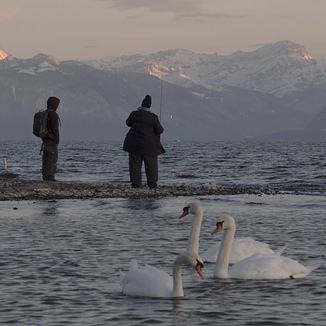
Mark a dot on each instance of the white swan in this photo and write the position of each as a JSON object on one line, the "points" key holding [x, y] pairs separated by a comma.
{"points": [[197, 211], [241, 248], [257, 266], [148, 281]]}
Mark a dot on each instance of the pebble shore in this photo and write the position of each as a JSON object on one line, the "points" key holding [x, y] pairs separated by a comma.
{"points": [[14, 189]]}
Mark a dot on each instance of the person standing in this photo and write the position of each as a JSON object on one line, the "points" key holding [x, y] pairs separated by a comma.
{"points": [[143, 144], [50, 142]]}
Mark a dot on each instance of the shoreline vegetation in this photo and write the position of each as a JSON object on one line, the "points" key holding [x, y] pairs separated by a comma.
{"points": [[17, 189]]}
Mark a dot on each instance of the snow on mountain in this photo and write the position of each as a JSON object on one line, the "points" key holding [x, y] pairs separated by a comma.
{"points": [[278, 69], [5, 55], [38, 64], [273, 89]]}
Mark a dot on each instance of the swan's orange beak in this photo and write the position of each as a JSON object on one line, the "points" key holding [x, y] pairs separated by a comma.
{"points": [[185, 212], [218, 228], [198, 268]]}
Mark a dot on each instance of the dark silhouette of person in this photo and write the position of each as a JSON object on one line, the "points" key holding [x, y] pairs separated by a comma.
{"points": [[50, 143], [143, 144]]}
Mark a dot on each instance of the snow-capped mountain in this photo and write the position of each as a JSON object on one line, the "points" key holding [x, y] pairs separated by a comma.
{"points": [[280, 69], [4, 55], [271, 90]]}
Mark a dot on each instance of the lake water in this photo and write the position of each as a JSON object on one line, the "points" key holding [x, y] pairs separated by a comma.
{"points": [[60, 259]]}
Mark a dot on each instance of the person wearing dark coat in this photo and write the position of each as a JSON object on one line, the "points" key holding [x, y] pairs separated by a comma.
{"points": [[50, 143], [143, 144]]}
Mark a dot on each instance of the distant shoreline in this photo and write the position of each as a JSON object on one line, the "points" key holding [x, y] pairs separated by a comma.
{"points": [[17, 189]]}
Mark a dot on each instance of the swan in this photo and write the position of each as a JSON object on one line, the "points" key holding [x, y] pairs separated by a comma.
{"points": [[241, 248], [197, 211], [257, 266], [148, 281]]}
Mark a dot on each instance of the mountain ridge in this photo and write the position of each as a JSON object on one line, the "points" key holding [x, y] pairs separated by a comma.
{"points": [[186, 68], [244, 95]]}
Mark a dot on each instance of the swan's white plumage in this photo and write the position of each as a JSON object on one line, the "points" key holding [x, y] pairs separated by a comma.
{"points": [[241, 249], [261, 266], [257, 266], [146, 281], [149, 281]]}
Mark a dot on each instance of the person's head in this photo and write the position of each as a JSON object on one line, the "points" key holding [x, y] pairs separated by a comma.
{"points": [[53, 103], [147, 102]]}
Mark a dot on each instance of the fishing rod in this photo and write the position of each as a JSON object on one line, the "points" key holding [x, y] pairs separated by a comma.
{"points": [[161, 97]]}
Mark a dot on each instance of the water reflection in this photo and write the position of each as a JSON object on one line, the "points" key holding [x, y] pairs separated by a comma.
{"points": [[68, 253], [50, 208], [142, 204], [177, 304], [50, 211]]}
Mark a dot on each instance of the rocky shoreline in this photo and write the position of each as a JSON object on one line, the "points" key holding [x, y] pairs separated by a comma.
{"points": [[15, 189]]}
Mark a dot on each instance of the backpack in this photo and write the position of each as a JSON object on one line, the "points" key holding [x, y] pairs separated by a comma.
{"points": [[40, 124]]}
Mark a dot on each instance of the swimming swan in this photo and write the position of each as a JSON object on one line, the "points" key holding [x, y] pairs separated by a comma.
{"points": [[197, 211], [148, 281], [257, 266], [241, 248]]}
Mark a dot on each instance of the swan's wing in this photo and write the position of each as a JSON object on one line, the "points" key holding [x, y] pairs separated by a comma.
{"points": [[164, 277], [122, 275], [147, 281], [280, 251], [245, 247], [261, 266], [133, 263], [210, 255], [241, 249]]}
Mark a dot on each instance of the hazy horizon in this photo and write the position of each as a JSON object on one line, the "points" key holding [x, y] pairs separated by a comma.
{"points": [[93, 29]]}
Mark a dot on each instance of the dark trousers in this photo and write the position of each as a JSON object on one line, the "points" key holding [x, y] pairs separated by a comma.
{"points": [[151, 169], [49, 160]]}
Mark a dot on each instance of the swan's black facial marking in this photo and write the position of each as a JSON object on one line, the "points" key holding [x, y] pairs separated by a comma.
{"points": [[200, 264], [185, 211]]}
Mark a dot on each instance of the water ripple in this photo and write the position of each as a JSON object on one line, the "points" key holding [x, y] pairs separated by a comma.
{"points": [[60, 260]]}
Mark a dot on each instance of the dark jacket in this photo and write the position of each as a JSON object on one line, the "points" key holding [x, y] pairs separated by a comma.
{"points": [[53, 120], [143, 137]]}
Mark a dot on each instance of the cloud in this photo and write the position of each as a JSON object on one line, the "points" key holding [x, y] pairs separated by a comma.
{"points": [[181, 8], [208, 15], [7, 13], [168, 6]]}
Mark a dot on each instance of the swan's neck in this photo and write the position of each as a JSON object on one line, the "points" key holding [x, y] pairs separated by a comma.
{"points": [[223, 258], [177, 282], [193, 243]]}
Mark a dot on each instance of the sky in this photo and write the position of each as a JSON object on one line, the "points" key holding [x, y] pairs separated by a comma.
{"points": [[94, 29]]}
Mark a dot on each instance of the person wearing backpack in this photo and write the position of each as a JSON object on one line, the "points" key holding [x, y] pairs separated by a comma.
{"points": [[51, 141]]}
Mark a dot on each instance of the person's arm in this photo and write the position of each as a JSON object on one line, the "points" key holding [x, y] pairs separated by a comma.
{"points": [[158, 129], [54, 123], [129, 120]]}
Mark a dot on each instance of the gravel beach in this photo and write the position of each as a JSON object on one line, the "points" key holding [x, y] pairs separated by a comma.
{"points": [[16, 189]]}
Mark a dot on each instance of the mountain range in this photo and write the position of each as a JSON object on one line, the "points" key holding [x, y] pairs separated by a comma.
{"points": [[277, 92]]}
